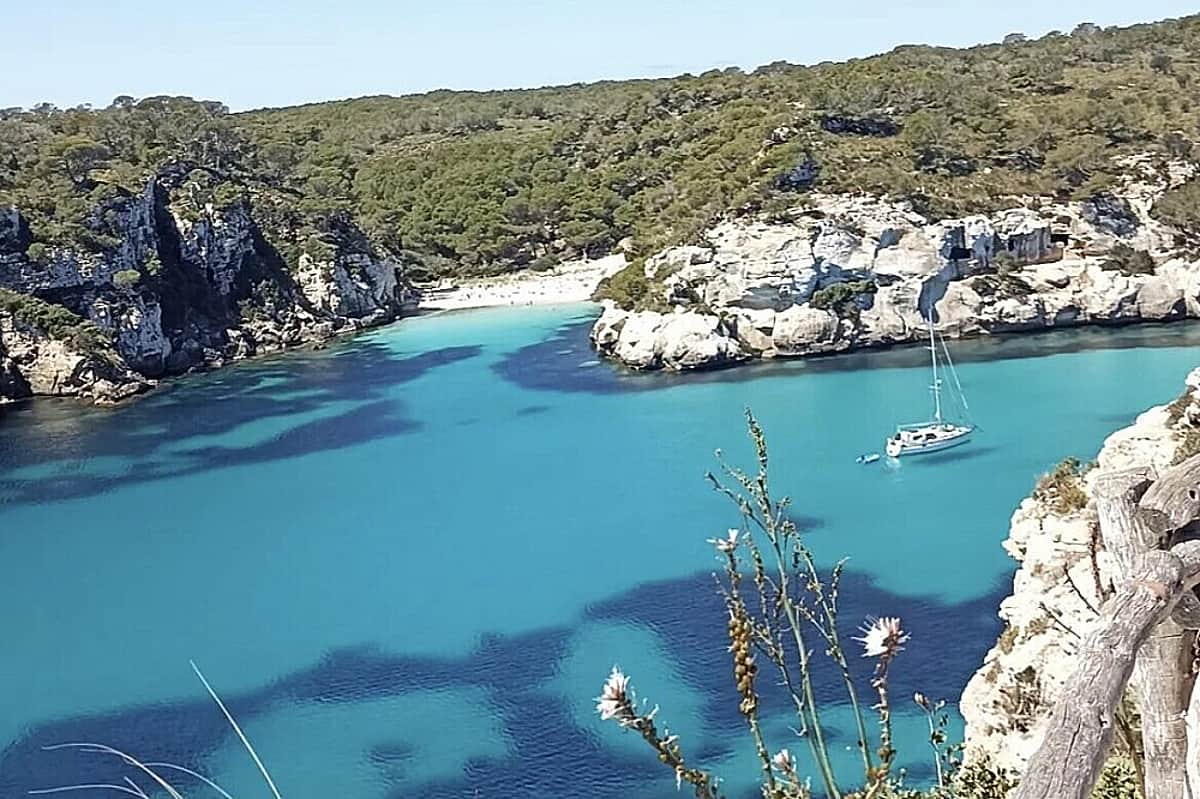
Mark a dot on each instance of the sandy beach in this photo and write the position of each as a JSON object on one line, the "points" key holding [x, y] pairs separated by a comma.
{"points": [[573, 281]]}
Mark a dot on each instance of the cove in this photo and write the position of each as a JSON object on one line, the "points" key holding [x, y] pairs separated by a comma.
{"points": [[408, 561]]}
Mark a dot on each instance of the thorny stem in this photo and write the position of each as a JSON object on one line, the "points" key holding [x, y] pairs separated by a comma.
{"points": [[767, 520], [886, 752], [810, 700], [829, 631], [839, 657], [1086, 602], [796, 594], [670, 753], [933, 740]]}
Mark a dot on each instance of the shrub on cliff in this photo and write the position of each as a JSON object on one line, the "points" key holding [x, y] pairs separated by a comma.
{"points": [[57, 322], [631, 289], [1062, 489], [38, 253], [842, 298], [127, 278], [1180, 207], [1128, 261]]}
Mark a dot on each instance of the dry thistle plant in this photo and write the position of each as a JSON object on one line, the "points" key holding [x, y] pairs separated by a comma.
{"points": [[781, 607], [152, 773]]}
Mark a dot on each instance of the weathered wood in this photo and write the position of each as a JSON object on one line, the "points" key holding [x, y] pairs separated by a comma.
{"points": [[1192, 723], [1187, 612], [1160, 676], [1122, 527], [1080, 729], [1190, 551], [1173, 501]]}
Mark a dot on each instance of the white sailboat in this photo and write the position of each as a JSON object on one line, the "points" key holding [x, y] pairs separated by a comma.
{"points": [[938, 433]]}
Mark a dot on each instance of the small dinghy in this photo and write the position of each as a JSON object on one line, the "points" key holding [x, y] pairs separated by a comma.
{"points": [[869, 458]]}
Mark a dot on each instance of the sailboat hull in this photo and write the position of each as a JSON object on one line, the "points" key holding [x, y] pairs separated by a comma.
{"points": [[922, 439], [937, 434]]}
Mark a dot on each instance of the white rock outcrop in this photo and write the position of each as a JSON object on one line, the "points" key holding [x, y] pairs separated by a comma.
{"points": [[1020, 269], [679, 341]]}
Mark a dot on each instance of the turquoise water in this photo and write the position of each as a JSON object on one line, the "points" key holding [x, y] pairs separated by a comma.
{"points": [[409, 561]]}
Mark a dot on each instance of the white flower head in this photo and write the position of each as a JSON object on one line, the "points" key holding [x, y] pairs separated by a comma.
{"points": [[882, 637], [727, 544], [616, 700], [784, 761]]}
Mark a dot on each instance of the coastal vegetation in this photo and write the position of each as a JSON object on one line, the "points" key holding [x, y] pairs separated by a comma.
{"points": [[1062, 488], [842, 298], [58, 322], [487, 182], [1128, 261]]}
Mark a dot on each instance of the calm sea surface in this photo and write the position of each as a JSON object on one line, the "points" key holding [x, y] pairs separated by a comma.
{"points": [[408, 561]]}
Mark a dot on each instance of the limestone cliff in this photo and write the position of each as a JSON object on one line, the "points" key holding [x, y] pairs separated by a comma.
{"points": [[850, 272], [33, 360], [179, 282], [1063, 572]]}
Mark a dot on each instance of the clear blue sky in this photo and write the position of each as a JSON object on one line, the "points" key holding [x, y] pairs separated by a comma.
{"points": [[252, 53]]}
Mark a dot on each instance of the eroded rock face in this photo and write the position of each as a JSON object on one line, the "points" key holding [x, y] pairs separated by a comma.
{"points": [[13, 384], [136, 327], [1110, 214], [1019, 269], [217, 244], [186, 288], [33, 362], [804, 330], [355, 286]]}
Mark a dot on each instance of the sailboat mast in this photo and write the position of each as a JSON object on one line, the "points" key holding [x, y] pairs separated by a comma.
{"points": [[937, 387]]}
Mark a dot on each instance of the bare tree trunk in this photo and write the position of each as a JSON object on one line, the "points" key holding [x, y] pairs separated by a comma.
{"points": [[1081, 726], [1134, 514], [1162, 674], [1192, 722]]}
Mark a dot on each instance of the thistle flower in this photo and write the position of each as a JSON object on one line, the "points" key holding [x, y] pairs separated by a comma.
{"points": [[616, 700], [784, 761], [727, 544], [882, 637]]}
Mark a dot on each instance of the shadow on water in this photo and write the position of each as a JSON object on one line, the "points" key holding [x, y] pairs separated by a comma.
{"points": [[806, 524], [148, 433], [550, 753], [567, 362], [957, 455], [1116, 420]]}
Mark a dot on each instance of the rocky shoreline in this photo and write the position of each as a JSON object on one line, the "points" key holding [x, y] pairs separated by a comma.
{"points": [[180, 286], [1063, 577], [186, 287], [850, 273], [192, 286]]}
